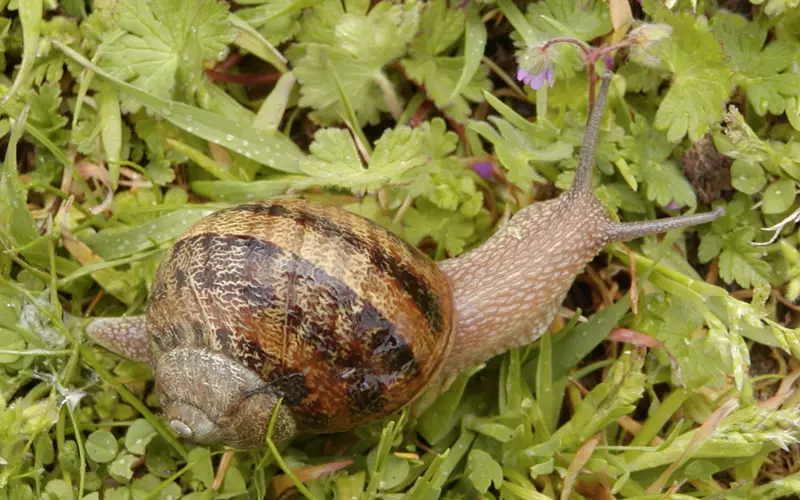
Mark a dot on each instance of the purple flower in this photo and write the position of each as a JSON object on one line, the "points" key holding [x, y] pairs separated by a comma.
{"points": [[536, 81], [608, 60], [673, 205], [484, 169]]}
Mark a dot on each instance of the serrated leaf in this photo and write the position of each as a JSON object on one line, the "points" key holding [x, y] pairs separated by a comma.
{"points": [[520, 149], [335, 160], [483, 471], [358, 45], [165, 43], [763, 71], [450, 81], [699, 86]]}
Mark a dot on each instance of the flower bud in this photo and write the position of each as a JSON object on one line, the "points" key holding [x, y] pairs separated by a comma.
{"points": [[535, 68], [533, 60]]}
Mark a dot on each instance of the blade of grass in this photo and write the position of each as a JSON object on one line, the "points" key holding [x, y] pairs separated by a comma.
{"points": [[474, 47], [702, 435], [349, 113], [205, 162], [666, 409], [252, 41], [454, 456], [518, 21], [582, 456], [274, 106], [30, 17], [277, 455], [81, 450], [272, 149], [111, 130], [238, 191], [548, 399], [571, 349], [118, 243], [389, 434], [86, 77]]}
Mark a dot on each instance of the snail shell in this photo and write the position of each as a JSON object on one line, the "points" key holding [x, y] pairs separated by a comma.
{"points": [[340, 318]]}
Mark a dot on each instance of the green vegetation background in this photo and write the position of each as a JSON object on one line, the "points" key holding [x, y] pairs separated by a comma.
{"points": [[152, 114]]}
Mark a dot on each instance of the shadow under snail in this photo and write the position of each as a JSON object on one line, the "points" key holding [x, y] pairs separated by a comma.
{"points": [[340, 318]]}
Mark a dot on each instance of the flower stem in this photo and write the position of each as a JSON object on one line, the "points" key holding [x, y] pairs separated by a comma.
{"points": [[566, 39]]}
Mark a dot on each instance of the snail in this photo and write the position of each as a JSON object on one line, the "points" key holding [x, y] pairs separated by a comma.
{"points": [[340, 319]]}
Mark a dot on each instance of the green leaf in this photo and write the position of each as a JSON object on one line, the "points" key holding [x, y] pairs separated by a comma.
{"points": [[125, 241], [121, 468], [699, 86], [608, 401], [520, 145], [779, 197], [730, 238], [358, 45], [60, 489], [556, 18], [139, 434], [119, 493], [254, 42], [44, 450], [747, 177], [483, 470], [10, 341], [274, 150], [30, 16], [335, 160], [395, 469], [449, 81], [239, 191], [647, 152], [101, 446], [165, 43], [763, 71], [277, 20], [474, 47], [451, 230], [441, 416], [569, 350], [111, 130], [777, 7], [745, 145], [201, 467]]}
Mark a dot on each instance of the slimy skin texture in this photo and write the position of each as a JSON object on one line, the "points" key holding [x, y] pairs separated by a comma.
{"points": [[126, 336], [341, 320], [498, 306]]}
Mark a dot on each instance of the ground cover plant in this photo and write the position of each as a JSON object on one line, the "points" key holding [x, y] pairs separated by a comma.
{"points": [[670, 372]]}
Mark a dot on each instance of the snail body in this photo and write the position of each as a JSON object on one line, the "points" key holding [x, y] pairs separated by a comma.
{"points": [[342, 320]]}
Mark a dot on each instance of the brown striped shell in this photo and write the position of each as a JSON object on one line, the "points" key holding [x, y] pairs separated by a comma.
{"points": [[341, 318]]}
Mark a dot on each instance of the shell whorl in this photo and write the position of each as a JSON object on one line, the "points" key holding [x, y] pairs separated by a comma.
{"points": [[339, 317]]}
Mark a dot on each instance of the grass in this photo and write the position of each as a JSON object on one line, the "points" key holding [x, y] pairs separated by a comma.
{"points": [[669, 373]]}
